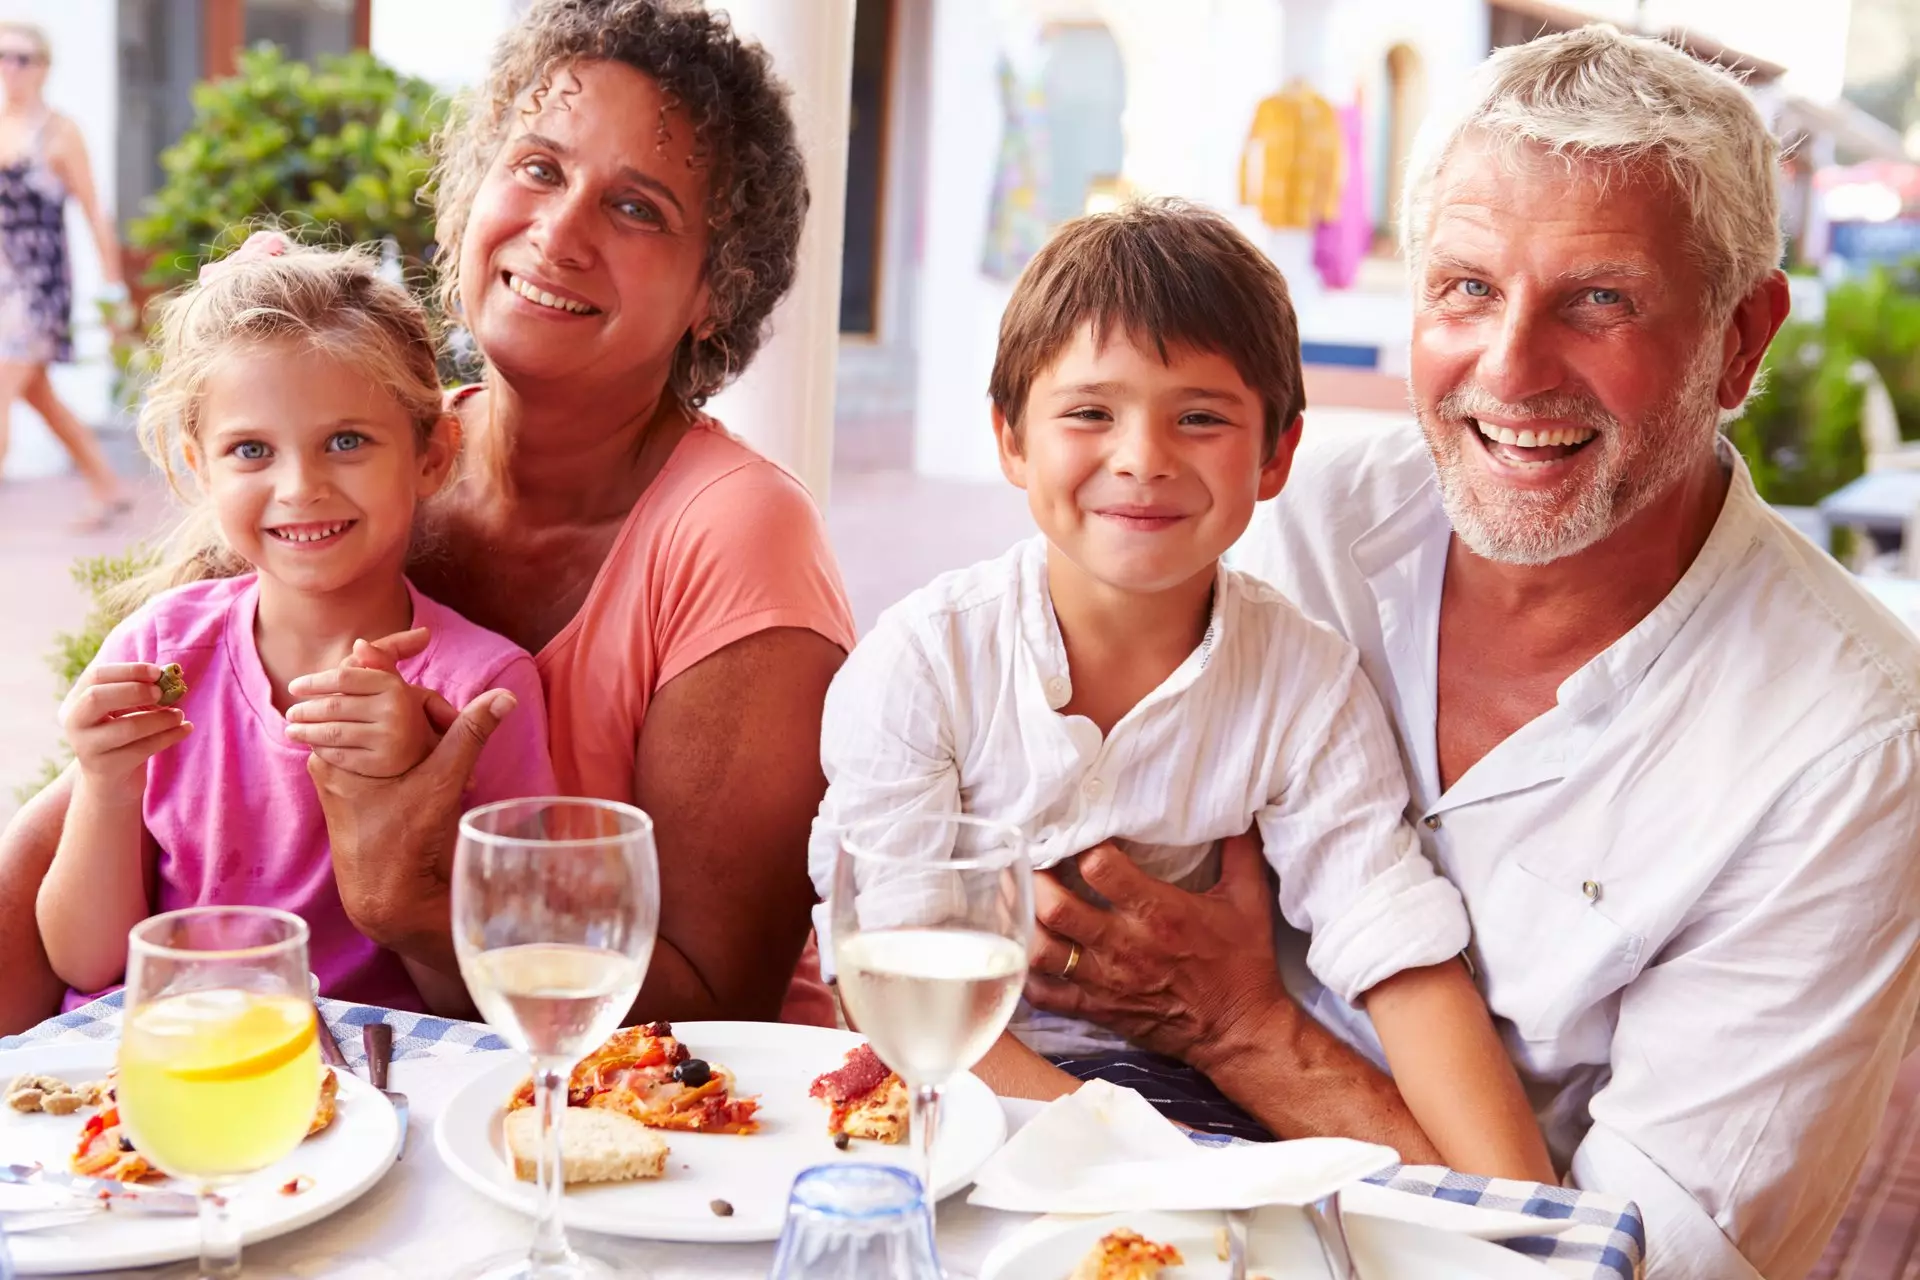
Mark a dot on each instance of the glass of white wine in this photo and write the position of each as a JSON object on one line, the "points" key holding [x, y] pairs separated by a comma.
{"points": [[931, 917], [556, 904], [219, 1062]]}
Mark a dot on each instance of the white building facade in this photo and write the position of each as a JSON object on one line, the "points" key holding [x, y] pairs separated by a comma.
{"points": [[1150, 96]]}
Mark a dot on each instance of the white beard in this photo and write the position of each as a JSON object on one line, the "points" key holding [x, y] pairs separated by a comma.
{"points": [[1631, 470]]}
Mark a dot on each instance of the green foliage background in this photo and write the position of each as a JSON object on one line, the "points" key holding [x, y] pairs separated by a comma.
{"points": [[336, 151], [1801, 434]]}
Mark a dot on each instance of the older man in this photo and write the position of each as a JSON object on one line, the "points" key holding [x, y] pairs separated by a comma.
{"points": [[1668, 750]]}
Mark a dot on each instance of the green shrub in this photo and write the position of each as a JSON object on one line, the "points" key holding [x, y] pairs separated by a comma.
{"points": [[336, 152], [73, 650], [1800, 434]]}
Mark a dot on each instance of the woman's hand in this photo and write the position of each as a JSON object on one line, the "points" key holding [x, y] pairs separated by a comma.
{"points": [[115, 724], [1169, 969], [362, 718]]}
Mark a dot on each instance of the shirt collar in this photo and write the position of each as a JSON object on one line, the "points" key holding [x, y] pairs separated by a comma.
{"points": [[1385, 555], [1040, 629]]}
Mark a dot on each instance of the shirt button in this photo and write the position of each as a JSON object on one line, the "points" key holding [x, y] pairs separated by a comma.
{"points": [[1431, 822], [1590, 890], [1059, 692], [1092, 787]]}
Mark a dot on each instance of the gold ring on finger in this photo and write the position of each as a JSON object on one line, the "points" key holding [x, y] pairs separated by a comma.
{"points": [[1073, 962]]}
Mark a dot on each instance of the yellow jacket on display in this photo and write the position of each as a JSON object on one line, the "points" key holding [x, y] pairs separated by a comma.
{"points": [[1294, 164]]}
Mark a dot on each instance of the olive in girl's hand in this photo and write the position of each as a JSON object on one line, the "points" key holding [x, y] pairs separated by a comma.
{"points": [[693, 1073], [172, 683]]}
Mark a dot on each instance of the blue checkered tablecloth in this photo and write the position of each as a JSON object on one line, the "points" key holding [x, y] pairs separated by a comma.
{"points": [[1606, 1242], [415, 1035]]}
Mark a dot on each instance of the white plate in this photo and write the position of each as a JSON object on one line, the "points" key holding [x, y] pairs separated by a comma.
{"points": [[1446, 1215], [752, 1172], [345, 1160], [1280, 1245]]}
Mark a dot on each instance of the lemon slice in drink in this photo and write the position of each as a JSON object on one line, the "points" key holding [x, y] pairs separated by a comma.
{"points": [[214, 1036]]}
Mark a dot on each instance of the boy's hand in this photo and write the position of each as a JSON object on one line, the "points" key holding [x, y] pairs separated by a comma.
{"points": [[362, 719], [115, 724]]}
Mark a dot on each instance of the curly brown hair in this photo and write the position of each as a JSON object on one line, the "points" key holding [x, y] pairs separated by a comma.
{"points": [[742, 133]]}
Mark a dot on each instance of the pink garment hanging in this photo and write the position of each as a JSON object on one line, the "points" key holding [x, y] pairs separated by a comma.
{"points": [[1339, 245]]}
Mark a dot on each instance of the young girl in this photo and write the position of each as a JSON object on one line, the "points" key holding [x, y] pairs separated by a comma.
{"points": [[299, 390]]}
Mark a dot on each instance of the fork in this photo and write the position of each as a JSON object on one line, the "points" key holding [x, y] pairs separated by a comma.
{"points": [[377, 1039], [1331, 1228]]}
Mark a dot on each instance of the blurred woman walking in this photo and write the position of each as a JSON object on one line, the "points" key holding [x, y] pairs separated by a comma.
{"points": [[43, 161]]}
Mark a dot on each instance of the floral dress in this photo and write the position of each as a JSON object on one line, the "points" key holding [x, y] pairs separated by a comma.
{"points": [[36, 288]]}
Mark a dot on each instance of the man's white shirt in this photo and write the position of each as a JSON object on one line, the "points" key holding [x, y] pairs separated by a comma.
{"points": [[1693, 882], [953, 703]]}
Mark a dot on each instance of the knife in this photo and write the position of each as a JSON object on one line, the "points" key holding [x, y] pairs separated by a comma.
{"points": [[329, 1047], [377, 1039], [103, 1190]]}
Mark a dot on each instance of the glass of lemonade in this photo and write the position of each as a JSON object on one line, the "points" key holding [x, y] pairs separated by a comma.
{"points": [[219, 1064], [556, 904], [931, 916]]}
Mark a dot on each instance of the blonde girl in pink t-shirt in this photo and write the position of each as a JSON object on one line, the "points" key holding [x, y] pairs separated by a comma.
{"points": [[298, 390]]}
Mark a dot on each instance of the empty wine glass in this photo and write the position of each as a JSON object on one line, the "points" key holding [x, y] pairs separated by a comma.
{"points": [[931, 917], [556, 904]]}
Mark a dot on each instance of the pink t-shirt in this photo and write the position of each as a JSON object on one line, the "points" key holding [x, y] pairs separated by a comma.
{"points": [[232, 809], [723, 544]]}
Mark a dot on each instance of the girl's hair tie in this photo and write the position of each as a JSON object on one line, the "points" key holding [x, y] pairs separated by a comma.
{"points": [[259, 245]]}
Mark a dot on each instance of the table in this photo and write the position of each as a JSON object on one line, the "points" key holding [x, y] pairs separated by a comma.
{"points": [[422, 1221]]}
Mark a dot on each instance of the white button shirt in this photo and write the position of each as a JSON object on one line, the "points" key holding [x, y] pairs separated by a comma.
{"points": [[952, 704], [1693, 881]]}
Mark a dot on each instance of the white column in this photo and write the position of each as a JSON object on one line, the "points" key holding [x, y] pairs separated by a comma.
{"points": [[783, 405]]}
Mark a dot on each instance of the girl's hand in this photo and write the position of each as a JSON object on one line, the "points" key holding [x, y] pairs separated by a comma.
{"points": [[114, 722], [361, 719]]}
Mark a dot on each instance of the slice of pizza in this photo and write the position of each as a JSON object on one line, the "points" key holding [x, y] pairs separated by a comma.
{"points": [[329, 1104], [1126, 1255], [105, 1151], [867, 1098], [647, 1074]]}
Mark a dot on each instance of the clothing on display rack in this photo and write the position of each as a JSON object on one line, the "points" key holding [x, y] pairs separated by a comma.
{"points": [[1294, 163], [1016, 217], [1340, 242]]}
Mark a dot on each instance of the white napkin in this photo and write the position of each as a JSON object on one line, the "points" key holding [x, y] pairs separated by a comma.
{"points": [[1104, 1149]]}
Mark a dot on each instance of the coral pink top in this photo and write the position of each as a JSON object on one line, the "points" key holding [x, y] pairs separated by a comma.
{"points": [[723, 544]]}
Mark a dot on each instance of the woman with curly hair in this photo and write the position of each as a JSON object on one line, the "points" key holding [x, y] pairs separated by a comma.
{"points": [[619, 210]]}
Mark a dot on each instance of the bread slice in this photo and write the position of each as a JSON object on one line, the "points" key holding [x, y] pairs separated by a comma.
{"points": [[595, 1146]]}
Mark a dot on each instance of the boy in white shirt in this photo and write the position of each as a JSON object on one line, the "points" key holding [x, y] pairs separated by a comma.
{"points": [[1112, 680]]}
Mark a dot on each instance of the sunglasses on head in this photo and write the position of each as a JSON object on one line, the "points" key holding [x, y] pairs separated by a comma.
{"points": [[15, 58]]}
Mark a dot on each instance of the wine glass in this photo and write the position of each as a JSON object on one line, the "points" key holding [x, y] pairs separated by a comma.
{"points": [[219, 1063], [931, 917], [556, 904]]}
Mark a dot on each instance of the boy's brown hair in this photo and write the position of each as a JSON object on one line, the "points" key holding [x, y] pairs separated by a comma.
{"points": [[1164, 272]]}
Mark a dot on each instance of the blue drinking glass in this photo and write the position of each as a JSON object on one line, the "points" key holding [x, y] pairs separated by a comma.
{"points": [[852, 1221]]}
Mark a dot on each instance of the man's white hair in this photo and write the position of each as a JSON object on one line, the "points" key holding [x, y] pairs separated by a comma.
{"points": [[1630, 104]]}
